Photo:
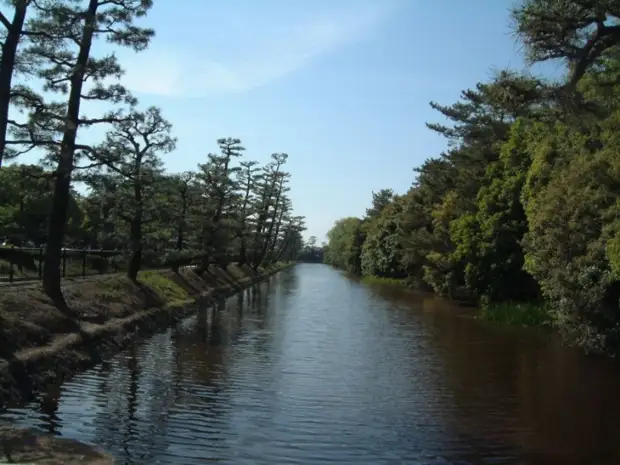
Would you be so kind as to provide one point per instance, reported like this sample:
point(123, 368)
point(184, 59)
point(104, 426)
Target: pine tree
point(63, 37)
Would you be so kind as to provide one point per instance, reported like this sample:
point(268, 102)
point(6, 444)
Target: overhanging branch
point(5, 22)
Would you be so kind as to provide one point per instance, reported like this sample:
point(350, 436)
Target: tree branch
point(91, 121)
point(5, 22)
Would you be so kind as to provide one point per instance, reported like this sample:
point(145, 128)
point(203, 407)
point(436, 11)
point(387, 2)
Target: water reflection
point(311, 367)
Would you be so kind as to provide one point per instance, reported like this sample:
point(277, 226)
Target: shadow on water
point(311, 367)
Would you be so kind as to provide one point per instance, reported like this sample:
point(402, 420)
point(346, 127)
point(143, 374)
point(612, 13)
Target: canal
point(314, 368)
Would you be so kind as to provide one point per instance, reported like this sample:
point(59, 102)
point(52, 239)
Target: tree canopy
point(524, 203)
point(116, 193)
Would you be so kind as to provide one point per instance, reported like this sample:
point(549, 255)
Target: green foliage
point(227, 209)
point(577, 30)
point(573, 227)
point(380, 200)
point(25, 201)
point(534, 314)
point(443, 269)
point(489, 239)
point(175, 217)
point(381, 254)
point(345, 245)
point(521, 212)
point(164, 287)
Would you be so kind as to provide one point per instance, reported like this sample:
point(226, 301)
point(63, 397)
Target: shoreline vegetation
point(521, 213)
point(378, 280)
point(525, 314)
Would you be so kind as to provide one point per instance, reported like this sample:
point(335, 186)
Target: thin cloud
point(268, 51)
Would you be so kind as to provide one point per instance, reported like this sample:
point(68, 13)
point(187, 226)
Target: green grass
point(112, 288)
point(164, 287)
point(531, 314)
point(384, 281)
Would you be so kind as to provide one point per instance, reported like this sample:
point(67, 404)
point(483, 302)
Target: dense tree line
point(524, 205)
point(311, 253)
point(227, 208)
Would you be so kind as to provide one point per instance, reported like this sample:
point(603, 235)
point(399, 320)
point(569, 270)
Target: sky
point(342, 86)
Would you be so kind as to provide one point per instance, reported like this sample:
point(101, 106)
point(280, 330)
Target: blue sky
point(342, 86)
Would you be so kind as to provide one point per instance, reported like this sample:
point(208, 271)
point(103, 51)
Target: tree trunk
point(181, 228)
point(262, 219)
point(180, 238)
point(274, 241)
point(55, 236)
point(7, 65)
point(242, 253)
point(62, 185)
point(136, 248)
point(281, 251)
point(283, 246)
point(242, 226)
point(136, 224)
point(269, 236)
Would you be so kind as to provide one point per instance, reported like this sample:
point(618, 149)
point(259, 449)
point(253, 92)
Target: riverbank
point(524, 314)
point(43, 344)
point(29, 447)
point(379, 280)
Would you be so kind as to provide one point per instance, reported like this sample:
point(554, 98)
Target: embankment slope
point(40, 343)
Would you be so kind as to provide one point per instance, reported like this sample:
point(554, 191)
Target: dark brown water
point(313, 368)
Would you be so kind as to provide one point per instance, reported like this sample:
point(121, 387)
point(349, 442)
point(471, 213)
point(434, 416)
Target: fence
point(26, 264)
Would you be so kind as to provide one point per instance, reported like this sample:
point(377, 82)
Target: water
point(313, 368)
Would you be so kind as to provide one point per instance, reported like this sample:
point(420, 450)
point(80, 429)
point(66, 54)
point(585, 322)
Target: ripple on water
point(317, 369)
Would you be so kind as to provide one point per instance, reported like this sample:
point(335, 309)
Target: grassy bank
point(529, 314)
point(42, 343)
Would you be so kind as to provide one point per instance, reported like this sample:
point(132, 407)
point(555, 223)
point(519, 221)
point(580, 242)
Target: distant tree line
point(310, 252)
point(227, 207)
point(524, 205)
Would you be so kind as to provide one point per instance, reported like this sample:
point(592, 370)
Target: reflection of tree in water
point(159, 393)
point(109, 421)
point(259, 299)
point(236, 312)
point(288, 282)
point(130, 432)
point(200, 364)
point(199, 354)
point(139, 393)
point(506, 392)
point(48, 406)
point(169, 391)
point(254, 321)
point(217, 336)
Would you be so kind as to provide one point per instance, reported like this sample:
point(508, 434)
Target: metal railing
point(22, 264)
point(26, 263)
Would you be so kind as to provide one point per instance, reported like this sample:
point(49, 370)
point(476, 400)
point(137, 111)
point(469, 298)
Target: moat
point(314, 368)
